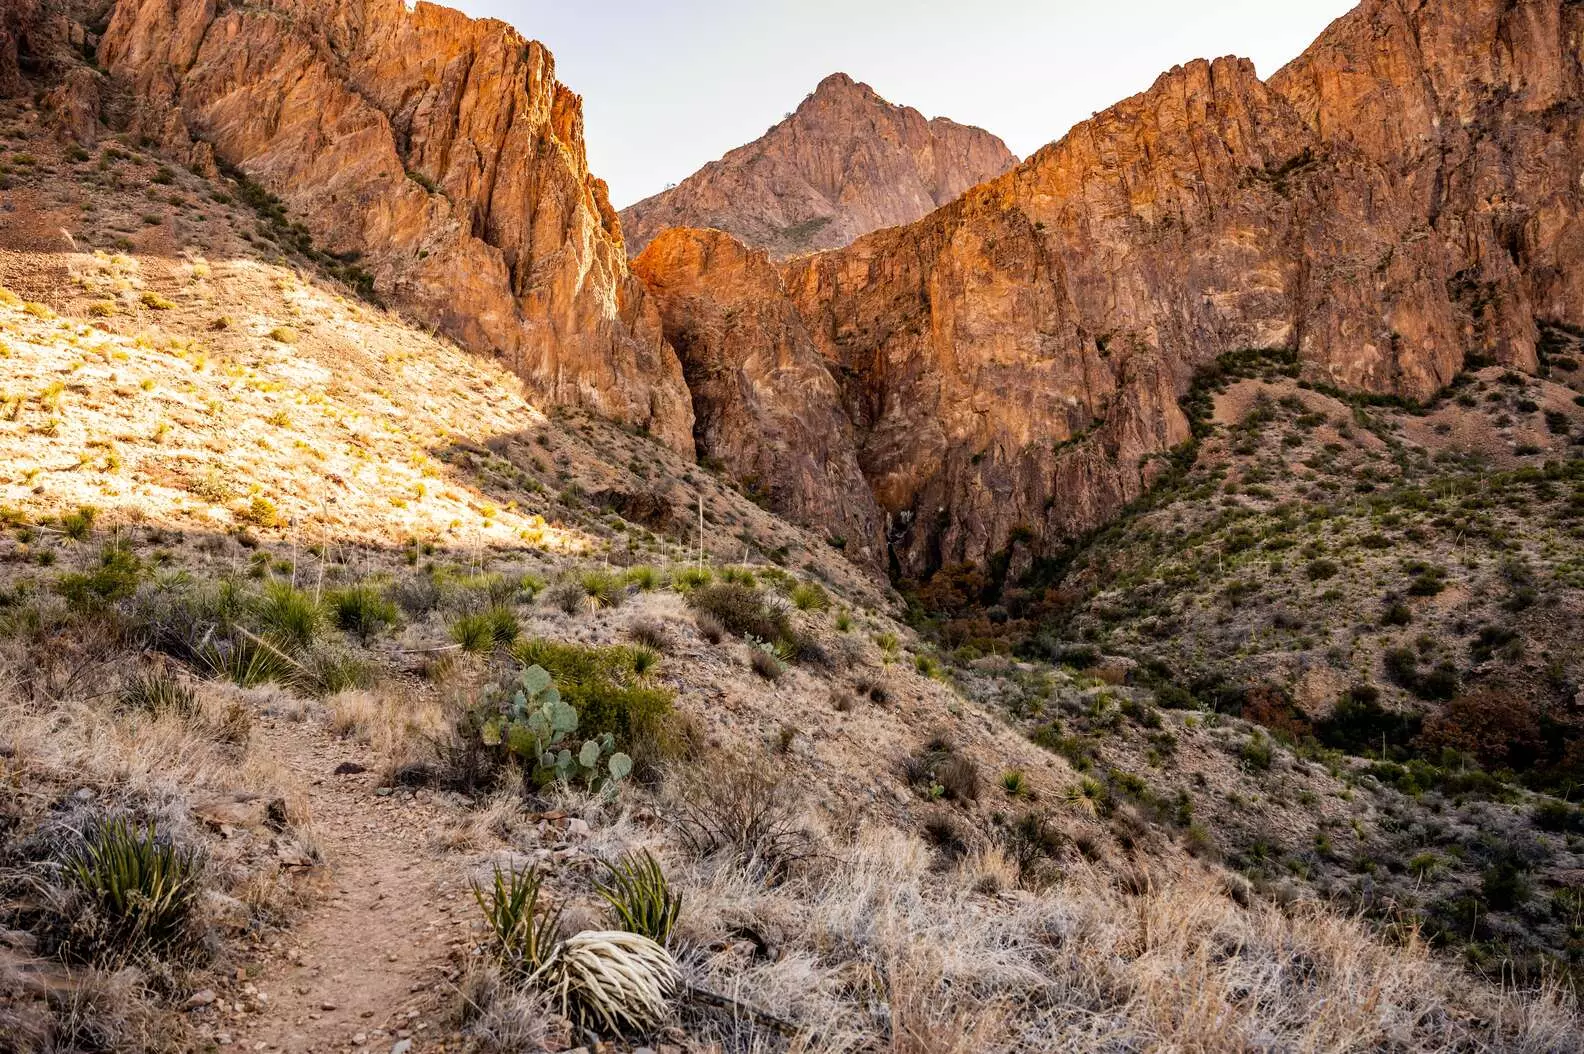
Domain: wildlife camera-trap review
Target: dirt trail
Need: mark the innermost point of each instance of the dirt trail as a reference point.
(365, 967)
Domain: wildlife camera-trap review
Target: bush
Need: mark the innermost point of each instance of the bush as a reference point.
(600, 684)
(650, 634)
(361, 609)
(764, 662)
(741, 610)
(744, 811)
(158, 692)
(116, 578)
(810, 596)
(639, 896)
(495, 628)
(143, 891)
(289, 617)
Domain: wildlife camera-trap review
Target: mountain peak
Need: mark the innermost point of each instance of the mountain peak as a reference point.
(846, 163)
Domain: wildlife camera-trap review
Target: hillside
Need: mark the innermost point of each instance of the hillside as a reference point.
(845, 163)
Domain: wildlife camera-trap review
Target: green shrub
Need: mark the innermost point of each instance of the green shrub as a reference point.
(602, 589)
(487, 630)
(741, 610)
(361, 609)
(763, 660)
(810, 596)
(521, 933)
(78, 526)
(639, 896)
(116, 578)
(646, 578)
(143, 890)
(600, 683)
(289, 617)
(326, 671)
(691, 578)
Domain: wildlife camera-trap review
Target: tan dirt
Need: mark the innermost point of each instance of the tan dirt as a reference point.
(368, 966)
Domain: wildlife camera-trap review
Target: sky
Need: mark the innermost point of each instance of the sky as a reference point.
(669, 85)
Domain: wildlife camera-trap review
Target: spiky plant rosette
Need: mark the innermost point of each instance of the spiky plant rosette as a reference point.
(612, 980)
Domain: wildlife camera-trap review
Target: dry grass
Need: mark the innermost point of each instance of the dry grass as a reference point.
(401, 728)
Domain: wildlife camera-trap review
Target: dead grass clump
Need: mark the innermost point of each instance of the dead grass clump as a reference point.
(740, 810)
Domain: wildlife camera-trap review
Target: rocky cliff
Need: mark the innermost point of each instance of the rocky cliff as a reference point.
(847, 162)
(765, 405)
(1401, 197)
(439, 150)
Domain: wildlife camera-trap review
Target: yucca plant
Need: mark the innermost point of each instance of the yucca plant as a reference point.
(602, 590)
(289, 617)
(361, 609)
(810, 596)
(246, 661)
(646, 578)
(473, 633)
(645, 660)
(143, 890)
(521, 933)
(639, 896)
(691, 578)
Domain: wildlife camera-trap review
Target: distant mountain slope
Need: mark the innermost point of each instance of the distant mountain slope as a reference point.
(846, 163)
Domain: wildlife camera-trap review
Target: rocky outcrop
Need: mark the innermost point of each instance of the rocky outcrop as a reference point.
(442, 153)
(17, 17)
(1404, 194)
(764, 404)
(847, 162)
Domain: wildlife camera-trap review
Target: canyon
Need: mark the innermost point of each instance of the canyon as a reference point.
(986, 382)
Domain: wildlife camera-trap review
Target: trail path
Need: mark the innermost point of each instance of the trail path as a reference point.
(365, 968)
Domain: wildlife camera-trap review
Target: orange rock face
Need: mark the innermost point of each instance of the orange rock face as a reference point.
(846, 163)
(765, 405)
(17, 17)
(1403, 195)
(443, 152)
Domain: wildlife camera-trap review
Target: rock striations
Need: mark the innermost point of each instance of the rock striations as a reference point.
(846, 163)
(442, 152)
(766, 407)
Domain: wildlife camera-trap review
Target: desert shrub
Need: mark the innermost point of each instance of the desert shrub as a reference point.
(741, 810)
(710, 628)
(417, 595)
(115, 578)
(937, 770)
(567, 596)
(158, 691)
(691, 578)
(1359, 724)
(496, 628)
(1257, 752)
(361, 609)
(602, 684)
(1032, 841)
(78, 526)
(763, 660)
(522, 932)
(288, 616)
(650, 633)
(326, 671)
(742, 610)
(601, 590)
(810, 596)
(639, 897)
(245, 660)
(1015, 784)
(945, 832)
(645, 578)
(143, 891)
(1500, 728)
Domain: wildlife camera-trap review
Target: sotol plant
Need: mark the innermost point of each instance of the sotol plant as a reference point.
(143, 890)
(639, 896)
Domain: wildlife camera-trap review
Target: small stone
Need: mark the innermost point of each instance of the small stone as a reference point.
(401, 1046)
(327, 1006)
(349, 768)
(359, 1039)
(382, 792)
(203, 997)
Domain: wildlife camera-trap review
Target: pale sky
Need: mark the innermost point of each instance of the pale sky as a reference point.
(669, 85)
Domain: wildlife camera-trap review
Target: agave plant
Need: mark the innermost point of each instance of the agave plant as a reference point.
(639, 896)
